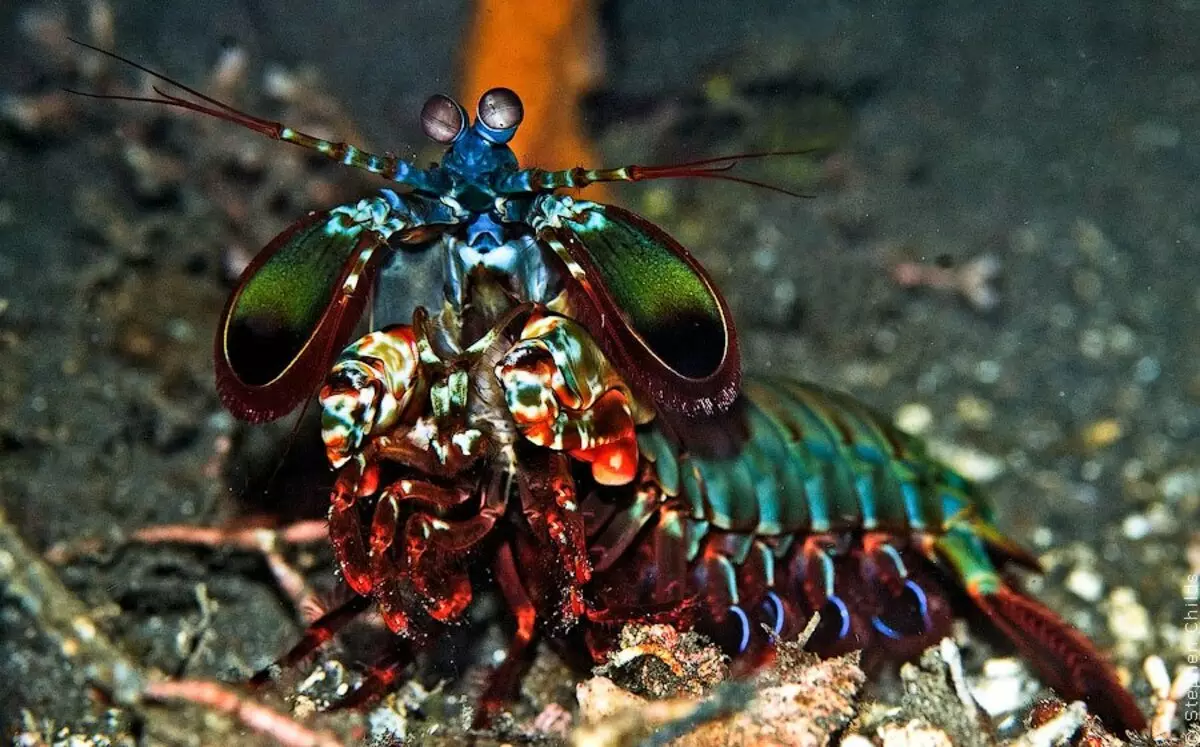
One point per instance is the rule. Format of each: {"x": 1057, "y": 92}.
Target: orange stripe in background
{"x": 549, "y": 52}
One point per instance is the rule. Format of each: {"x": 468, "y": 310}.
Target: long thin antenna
{"x": 387, "y": 166}
{"x": 533, "y": 180}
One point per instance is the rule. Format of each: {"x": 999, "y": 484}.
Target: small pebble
{"x": 1062, "y": 316}
{"x": 1102, "y": 433}
{"x": 1135, "y": 526}
{"x": 1133, "y": 470}
{"x": 1090, "y": 238}
{"x": 970, "y": 463}
{"x": 865, "y": 375}
{"x": 1088, "y": 287}
{"x": 1162, "y": 519}
{"x": 764, "y": 258}
{"x": 784, "y": 293}
{"x": 885, "y": 341}
{"x": 1042, "y": 537}
{"x": 1128, "y": 620}
{"x": 1152, "y": 135}
{"x": 658, "y": 203}
{"x": 914, "y": 418}
{"x": 304, "y": 707}
{"x": 1146, "y": 370}
{"x": 137, "y": 344}
{"x": 180, "y": 330}
{"x": 1193, "y": 558}
{"x": 1004, "y": 687}
{"x": 913, "y": 734}
{"x": 1057, "y": 729}
{"x": 1085, "y": 584}
{"x": 1092, "y": 344}
{"x": 388, "y": 724}
{"x": 987, "y": 372}
{"x": 1121, "y": 339}
{"x": 975, "y": 412}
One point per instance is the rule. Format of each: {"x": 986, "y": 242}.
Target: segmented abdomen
{"x": 799, "y": 500}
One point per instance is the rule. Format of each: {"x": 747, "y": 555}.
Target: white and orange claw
{"x": 563, "y": 394}
{"x": 368, "y": 390}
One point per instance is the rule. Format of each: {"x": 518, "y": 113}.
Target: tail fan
{"x": 1064, "y": 657}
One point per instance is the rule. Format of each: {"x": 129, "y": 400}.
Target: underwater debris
{"x": 1168, "y": 693}
{"x": 798, "y": 699}
{"x": 972, "y": 281}
{"x": 658, "y": 661}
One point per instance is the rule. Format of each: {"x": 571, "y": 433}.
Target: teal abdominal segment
{"x": 817, "y": 462}
{"x": 817, "y": 504}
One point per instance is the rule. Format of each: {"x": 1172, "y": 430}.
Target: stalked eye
{"x": 442, "y": 119}
{"x": 500, "y": 111}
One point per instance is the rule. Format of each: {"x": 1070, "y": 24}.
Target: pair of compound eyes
{"x": 500, "y": 111}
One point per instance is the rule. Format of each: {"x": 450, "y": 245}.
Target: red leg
{"x": 551, "y": 506}
{"x": 882, "y": 564}
{"x": 385, "y": 575}
{"x": 316, "y": 635}
{"x": 379, "y": 678}
{"x": 908, "y": 608}
{"x": 424, "y": 532}
{"x": 345, "y": 524}
{"x": 678, "y": 612}
{"x": 842, "y": 627}
{"x": 435, "y": 552}
{"x": 502, "y": 685}
{"x": 427, "y": 553}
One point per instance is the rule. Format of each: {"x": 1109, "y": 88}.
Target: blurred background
{"x": 999, "y": 249}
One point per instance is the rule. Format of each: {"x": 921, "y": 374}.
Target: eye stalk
{"x": 443, "y": 119}
{"x": 500, "y": 112}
